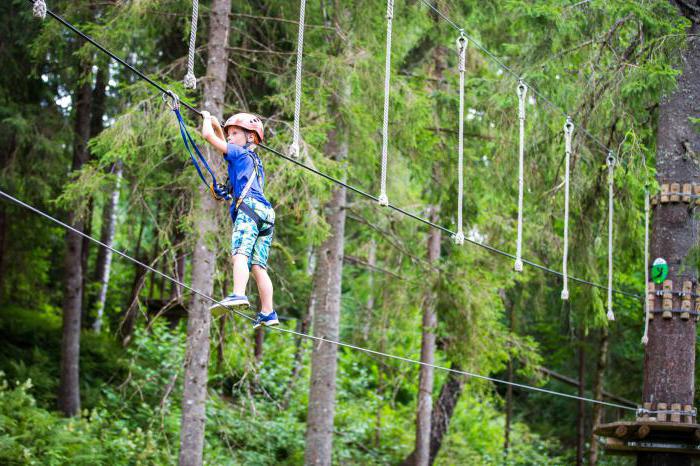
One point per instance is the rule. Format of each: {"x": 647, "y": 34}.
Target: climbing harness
{"x": 294, "y": 148}
{"x": 39, "y": 9}
{"x": 611, "y": 184}
{"x": 245, "y": 208}
{"x": 383, "y": 199}
{"x": 462, "y": 44}
{"x": 218, "y": 191}
{"x": 522, "y": 92}
{"x": 190, "y": 80}
{"x": 568, "y": 131}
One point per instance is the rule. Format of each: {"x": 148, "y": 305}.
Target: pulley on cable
{"x": 568, "y": 132}
{"x": 190, "y": 80}
{"x": 522, "y": 92}
{"x": 462, "y": 45}
{"x": 383, "y": 198}
{"x": 294, "y": 148}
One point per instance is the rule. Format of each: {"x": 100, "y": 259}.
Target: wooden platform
{"x": 630, "y": 437}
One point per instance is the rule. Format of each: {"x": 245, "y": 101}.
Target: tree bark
{"x": 69, "y": 388}
{"x": 598, "y": 410}
{"x": 669, "y": 358}
{"x": 581, "y": 425}
{"x": 326, "y": 321}
{"x": 427, "y": 355}
{"x": 204, "y": 258}
{"x": 104, "y": 258}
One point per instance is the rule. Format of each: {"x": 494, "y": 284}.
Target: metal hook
{"x": 610, "y": 159}
{"x": 171, "y": 99}
{"x": 522, "y": 87}
{"x": 568, "y": 126}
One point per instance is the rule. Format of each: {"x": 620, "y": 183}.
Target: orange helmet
{"x": 247, "y": 121}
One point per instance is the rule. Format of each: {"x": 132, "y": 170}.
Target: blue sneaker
{"x": 231, "y": 300}
{"x": 267, "y": 320}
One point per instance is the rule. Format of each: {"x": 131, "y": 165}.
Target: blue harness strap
{"x": 219, "y": 191}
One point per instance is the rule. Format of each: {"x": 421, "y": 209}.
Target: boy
{"x": 252, "y": 215}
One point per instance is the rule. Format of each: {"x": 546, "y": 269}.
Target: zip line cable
{"x": 304, "y": 335}
{"x": 512, "y": 72}
{"x": 333, "y": 179}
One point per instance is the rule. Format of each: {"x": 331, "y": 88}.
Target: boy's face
{"x": 236, "y": 135}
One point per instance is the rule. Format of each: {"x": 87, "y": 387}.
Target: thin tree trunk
{"x": 69, "y": 388}
{"x": 326, "y": 322}
{"x": 203, "y": 258}
{"x": 509, "y": 389}
{"x": 427, "y": 355}
{"x": 598, "y": 392}
{"x": 126, "y": 328}
{"x": 581, "y": 427}
{"x": 104, "y": 262}
{"x": 669, "y": 357}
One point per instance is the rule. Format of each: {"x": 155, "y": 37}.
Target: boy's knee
{"x": 259, "y": 268}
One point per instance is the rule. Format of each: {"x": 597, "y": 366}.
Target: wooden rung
{"x": 661, "y": 407}
{"x": 668, "y": 286}
{"x": 688, "y": 417}
{"x": 654, "y": 200}
{"x": 685, "y": 307}
{"x": 676, "y": 417}
{"x": 687, "y": 191}
{"x": 646, "y": 406}
{"x": 687, "y": 286}
{"x": 696, "y": 191}
{"x": 664, "y": 194}
{"x": 675, "y": 189}
{"x": 643, "y": 431}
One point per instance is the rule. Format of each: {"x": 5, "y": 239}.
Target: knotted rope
{"x": 611, "y": 184}
{"x": 522, "y": 92}
{"x": 190, "y": 80}
{"x": 383, "y": 199}
{"x": 568, "y": 132}
{"x": 462, "y": 45}
{"x": 39, "y": 9}
{"x": 294, "y": 148}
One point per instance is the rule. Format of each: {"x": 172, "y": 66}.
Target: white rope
{"x": 383, "y": 199}
{"x": 294, "y": 148}
{"x": 462, "y": 45}
{"x": 190, "y": 80}
{"x": 611, "y": 184}
{"x": 568, "y": 131}
{"x": 522, "y": 92}
{"x": 39, "y": 9}
{"x": 645, "y": 338}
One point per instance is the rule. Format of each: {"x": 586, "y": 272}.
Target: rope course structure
{"x": 339, "y": 343}
{"x": 320, "y": 340}
{"x": 337, "y": 181}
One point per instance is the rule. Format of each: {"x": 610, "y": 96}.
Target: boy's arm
{"x": 210, "y": 133}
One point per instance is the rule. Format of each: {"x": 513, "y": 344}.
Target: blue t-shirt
{"x": 240, "y": 168}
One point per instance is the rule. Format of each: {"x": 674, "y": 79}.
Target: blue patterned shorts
{"x": 245, "y": 239}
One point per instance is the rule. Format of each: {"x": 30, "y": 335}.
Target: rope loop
{"x": 610, "y": 160}
{"x": 294, "y": 147}
{"x": 645, "y": 337}
{"x": 462, "y": 44}
{"x": 568, "y": 131}
{"x": 521, "y": 90}
{"x": 390, "y": 10}
{"x": 190, "y": 80}
{"x": 383, "y": 199}
{"x": 171, "y": 99}
{"x": 568, "y": 127}
{"x": 39, "y": 9}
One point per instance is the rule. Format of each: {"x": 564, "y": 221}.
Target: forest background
{"x": 86, "y": 141}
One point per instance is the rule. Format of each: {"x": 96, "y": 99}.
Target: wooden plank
{"x": 675, "y": 189}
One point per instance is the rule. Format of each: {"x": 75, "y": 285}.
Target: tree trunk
{"x": 598, "y": 410}
{"x": 69, "y": 388}
{"x": 104, "y": 257}
{"x": 326, "y": 321}
{"x": 581, "y": 427}
{"x": 510, "y": 309}
{"x": 669, "y": 358}
{"x": 427, "y": 354}
{"x": 204, "y": 259}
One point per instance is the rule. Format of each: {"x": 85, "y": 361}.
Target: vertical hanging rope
{"x": 522, "y": 92}
{"x": 383, "y": 199}
{"x": 611, "y": 184}
{"x": 190, "y": 80}
{"x": 39, "y": 9}
{"x": 568, "y": 132}
{"x": 294, "y": 148}
{"x": 462, "y": 44}
{"x": 645, "y": 338}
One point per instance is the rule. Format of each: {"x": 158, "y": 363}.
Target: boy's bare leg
{"x": 264, "y": 288}
{"x": 240, "y": 274}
